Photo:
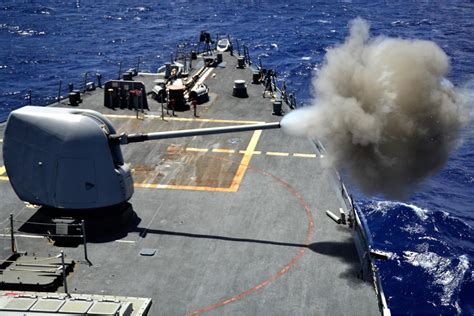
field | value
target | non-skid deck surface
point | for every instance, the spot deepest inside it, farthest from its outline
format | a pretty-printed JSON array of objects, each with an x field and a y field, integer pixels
[{"x": 237, "y": 220}]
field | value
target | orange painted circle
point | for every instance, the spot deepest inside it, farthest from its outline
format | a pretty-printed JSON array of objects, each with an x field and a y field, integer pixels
[{"x": 284, "y": 269}]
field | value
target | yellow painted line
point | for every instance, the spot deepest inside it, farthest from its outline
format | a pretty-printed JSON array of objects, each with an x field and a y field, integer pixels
[
  {"x": 2, "y": 171},
  {"x": 239, "y": 175},
  {"x": 224, "y": 151},
  {"x": 273, "y": 153},
  {"x": 197, "y": 149},
  {"x": 126, "y": 241},
  {"x": 235, "y": 182},
  {"x": 304, "y": 155},
  {"x": 184, "y": 119},
  {"x": 256, "y": 152},
  {"x": 181, "y": 187},
  {"x": 23, "y": 236},
  {"x": 121, "y": 116}
]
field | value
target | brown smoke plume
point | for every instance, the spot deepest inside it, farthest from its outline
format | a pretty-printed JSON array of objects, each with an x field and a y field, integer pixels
[{"x": 384, "y": 111}]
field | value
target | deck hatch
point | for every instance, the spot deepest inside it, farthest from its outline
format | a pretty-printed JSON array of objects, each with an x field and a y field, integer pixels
[
  {"x": 76, "y": 307},
  {"x": 104, "y": 308},
  {"x": 20, "y": 304},
  {"x": 47, "y": 305}
]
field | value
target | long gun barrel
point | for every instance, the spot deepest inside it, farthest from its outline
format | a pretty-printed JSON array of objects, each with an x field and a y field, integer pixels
[{"x": 140, "y": 137}]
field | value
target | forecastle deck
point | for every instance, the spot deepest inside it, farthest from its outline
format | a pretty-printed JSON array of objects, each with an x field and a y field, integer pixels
[{"x": 235, "y": 223}]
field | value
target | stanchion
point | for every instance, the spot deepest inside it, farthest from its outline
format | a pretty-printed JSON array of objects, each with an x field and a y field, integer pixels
[
  {"x": 84, "y": 241},
  {"x": 59, "y": 90},
  {"x": 12, "y": 234},
  {"x": 162, "y": 110},
  {"x": 64, "y": 273},
  {"x": 120, "y": 70}
]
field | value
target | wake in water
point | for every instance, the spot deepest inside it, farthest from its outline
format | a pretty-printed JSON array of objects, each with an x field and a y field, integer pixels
[{"x": 384, "y": 111}]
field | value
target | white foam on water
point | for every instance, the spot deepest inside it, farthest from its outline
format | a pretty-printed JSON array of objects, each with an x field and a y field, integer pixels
[
  {"x": 441, "y": 270},
  {"x": 384, "y": 206}
]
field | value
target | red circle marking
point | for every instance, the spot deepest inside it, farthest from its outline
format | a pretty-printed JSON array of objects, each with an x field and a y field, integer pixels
[{"x": 282, "y": 271}]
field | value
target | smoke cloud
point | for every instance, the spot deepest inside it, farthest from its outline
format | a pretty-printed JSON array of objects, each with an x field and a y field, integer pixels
[{"x": 384, "y": 111}]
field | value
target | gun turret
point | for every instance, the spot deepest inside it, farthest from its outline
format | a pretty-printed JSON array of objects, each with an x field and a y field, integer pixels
[{"x": 71, "y": 158}]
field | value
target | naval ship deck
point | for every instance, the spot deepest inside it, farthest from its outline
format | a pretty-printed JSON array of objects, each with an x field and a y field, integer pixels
[{"x": 237, "y": 220}]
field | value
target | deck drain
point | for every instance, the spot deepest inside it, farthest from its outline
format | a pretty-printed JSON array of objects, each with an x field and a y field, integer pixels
[{"x": 147, "y": 252}]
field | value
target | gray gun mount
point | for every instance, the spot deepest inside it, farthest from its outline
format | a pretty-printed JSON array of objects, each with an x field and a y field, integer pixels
[{"x": 71, "y": 158}]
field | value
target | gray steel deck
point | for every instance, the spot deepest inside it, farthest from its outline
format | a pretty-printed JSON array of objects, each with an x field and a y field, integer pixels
[{"x": 237, "y": 220}]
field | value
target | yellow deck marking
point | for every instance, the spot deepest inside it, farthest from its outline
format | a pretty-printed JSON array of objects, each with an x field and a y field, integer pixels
[
  {"x": 250, "y": 150},
  {"x": 180, "y": 187},
  {"x": 126, "y": 241},
  {"x": 273, "y": 153},
  {"x": 239, "y": 175},
  {"x": 184, "y": 119},
  {"x": 23, "y": 236},
  {"x": 256, "y": 152},
  {"x": 224, "y": 151},
  {"x": 2, "y": 171},
  {"x": 237, "y": 178},
  {"x": 304, "y": 155},
  {"x": 197, "y": 149}
]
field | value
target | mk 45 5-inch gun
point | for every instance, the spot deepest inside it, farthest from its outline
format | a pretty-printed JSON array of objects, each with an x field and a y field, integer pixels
[{"x": 71, "y": 158}]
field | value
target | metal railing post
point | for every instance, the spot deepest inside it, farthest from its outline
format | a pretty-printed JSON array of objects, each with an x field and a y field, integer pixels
[
  {"x": 238, "y": 46},
  {"x": 64, "y": 273},
  {"x": 85, "y": 81},
  {"x": 162, "y": 109},
  {"x": 120, "y": 70},
  {"x": 59, "y": 90},
  {"x": 99, "y": 78},
  {"x": 84, "y": 241},
  {"x": 12, "y": 234}
]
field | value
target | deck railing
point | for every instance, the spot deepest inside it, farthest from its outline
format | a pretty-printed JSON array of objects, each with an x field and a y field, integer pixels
[
  {"x": 361, "y": 234},
  {"x": 51, "y": 231}
]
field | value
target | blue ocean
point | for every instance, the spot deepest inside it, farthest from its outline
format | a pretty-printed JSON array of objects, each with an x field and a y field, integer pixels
[{"x": 428, "y": 237}]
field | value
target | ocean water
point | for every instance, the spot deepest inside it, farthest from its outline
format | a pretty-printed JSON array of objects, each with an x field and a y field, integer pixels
[{"x": 429, "y": 237}]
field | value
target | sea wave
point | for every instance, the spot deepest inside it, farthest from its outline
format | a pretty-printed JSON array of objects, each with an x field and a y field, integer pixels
[
  {"x": 434, "y": 226},
  {"x": 383, "y": 207},
  {"x": 19, "y": 30},
  {"x": 446, "y": 272},
  {"x": 431, "y": 240}
]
